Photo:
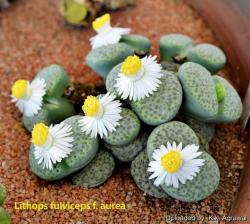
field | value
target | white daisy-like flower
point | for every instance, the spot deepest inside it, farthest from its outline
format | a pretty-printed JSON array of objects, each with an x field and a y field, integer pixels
[
  {"x": 101, "y": 115},
  {"x": 52, "y": 144},
  {"x": 138, "y": 78},
  {"x": 106, "y": 34},
  {"x": 29, "y": 96},
  {"x": 172, "y": 164}
]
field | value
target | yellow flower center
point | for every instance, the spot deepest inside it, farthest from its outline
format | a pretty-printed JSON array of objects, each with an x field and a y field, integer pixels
[
  {"x": 19, "y": 89},
  {"x": 131, "y": 65},
  {"x": 40, "y": 134},
  {"x": 171, "y": 161},
  {"x": 99, "y": 22},
  {"x": 91, "y": 106}
]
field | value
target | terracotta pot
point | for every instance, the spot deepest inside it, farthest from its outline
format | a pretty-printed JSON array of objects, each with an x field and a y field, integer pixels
[{"x": 230, "y": 22}]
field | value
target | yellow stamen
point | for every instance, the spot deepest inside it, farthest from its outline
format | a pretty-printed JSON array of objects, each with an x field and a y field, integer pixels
[
  {"x": 91, "y": 106},
  {"x": 171, "y": 161},
  {"x": 131, "y": 65},
  {"x": 19, "y": 89},
  {"x": 40, "y": 134},
  {"x": 99, "y": 22}
]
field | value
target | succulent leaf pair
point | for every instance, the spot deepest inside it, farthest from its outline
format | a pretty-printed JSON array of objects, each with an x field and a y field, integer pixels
[
  {"x": 208, "y": 98},
  {"x": 82, "y": 12},
  {"x": 4, "y": 215},
  {"x": 180, "y": 48},
  {"x": 203, "y": 185},
  {"x": 55, "y": 107},
  {"x": 103, "y": 59}
]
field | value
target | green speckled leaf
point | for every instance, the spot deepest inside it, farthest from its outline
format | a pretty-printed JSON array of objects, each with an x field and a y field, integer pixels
[
  {"x": 42, "y": 116},
  {"x": 140, "y": 174},
  {"x": 202, "y": 186},
  {"x": 56, "y": 80},
  {"x": 205, "y": 130},
  {"x": 170, "y": 132},
  {"x": 137, "y": 42},
  {"x": 207, "y": 55},
  {"x": 128, "y": 152},
  {"x": 85, "y": 146},
  {"x": 230, "y": 108},
  {"x": 128, "y": 129},
  {"x": 163, "y": 104},
  {"x": 52, "y": 112},
  {"x": 103, "y": 59},
  {"x": 96, "y": 172},
  {"x": 200, "y": 99},
  {"x": 172, "y": 45},
  {"x": 111, "y": 80}
]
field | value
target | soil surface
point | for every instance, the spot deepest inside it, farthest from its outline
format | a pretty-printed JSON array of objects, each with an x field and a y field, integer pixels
[{"x": 33, "y": 35}]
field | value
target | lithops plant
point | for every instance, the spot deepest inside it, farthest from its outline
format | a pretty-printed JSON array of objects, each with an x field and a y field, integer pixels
[
  {"x": 104, "y": 58},
  {"x": 83, "y": 150},
  {"x": 127, "y": 131},
  {"x": 201, "y": 186},
  {"x": 154, "y": 94},
  {"x": 205, "y": 130},
  {"x": 75, "y": 12},
  {"x": 140, "y": 175},
  {"x": 178, "y": 163},
  {"x": 208, "y": 55},
  {"x": 128, "y": 152},
  {"x": 4, "y": 216},
  {"x": 200, "y": 98},
  {"x": 173, "y": 46},
  {"x": 173, "y": 131},
  {"x": 2, "y": 194},
  {"x": 162, "y": 105},
  {"x": 97, "y": 171},
  {"x": 180, "y": 48},
  {"x": 53, "y": 111},
  {"x": 80, "y": 13},
  {"x": 138, "y": 43},
  {"x": 56, "y": 80},
  {"x": 230, "y": 105},
  {"x": 42, "y": 100},
  {"x": 208, "y": 98}
]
